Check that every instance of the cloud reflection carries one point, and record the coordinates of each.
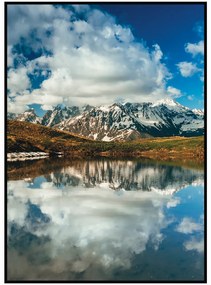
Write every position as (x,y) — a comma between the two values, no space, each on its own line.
(195,244)
(95,228)
(188,226)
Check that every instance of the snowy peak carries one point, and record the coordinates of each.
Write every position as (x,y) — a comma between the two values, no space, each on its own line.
(29,116)
(198,112)
(166,102)
(59,114)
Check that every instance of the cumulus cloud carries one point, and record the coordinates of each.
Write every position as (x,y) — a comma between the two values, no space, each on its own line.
(25,19)
(187,69)
(18,81)
(195,48)
(91,58)
(174,92)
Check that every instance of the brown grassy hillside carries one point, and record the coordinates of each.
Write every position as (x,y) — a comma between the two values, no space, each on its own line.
(23,136)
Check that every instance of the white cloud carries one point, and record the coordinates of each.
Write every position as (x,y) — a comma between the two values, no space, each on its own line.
(22,19)
(188,226)
(94,60)
(187,69)
(17,80)
(174,92)
(195,49)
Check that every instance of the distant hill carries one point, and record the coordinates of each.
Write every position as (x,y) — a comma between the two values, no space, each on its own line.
(25,136)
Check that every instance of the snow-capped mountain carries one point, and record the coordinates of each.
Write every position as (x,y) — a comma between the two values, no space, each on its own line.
(59,114)
(126,121)
(102,123)
(134,120)
(29,116)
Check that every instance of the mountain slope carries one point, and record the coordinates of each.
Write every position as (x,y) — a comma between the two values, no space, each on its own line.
(132,121)
(28,116)
(24,136)
(59,114)
(104,123)
(62,113)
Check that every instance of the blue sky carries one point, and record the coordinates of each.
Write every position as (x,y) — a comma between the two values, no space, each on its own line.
(100,54)
(172,27)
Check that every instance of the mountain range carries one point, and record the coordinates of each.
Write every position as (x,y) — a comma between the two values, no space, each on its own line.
(120,122)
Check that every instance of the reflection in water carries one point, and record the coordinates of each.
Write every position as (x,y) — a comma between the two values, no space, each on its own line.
(87,231)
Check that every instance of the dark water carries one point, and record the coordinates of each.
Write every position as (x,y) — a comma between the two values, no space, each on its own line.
(105,220)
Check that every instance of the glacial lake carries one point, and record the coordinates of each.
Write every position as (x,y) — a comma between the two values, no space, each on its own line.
(111,220)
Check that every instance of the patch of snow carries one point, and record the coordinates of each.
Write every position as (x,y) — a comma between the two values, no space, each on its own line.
(178,121)
(193,125)
(51,119)
(126,123)
(148,122)
(105,108)
(95,136)
(106,139)
(14,156)
(198,112)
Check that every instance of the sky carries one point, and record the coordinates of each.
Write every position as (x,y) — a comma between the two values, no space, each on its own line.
(105,53)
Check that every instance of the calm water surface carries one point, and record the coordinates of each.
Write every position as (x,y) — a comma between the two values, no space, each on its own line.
(105,220)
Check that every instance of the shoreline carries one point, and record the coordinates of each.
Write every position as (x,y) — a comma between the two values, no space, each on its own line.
(164,155)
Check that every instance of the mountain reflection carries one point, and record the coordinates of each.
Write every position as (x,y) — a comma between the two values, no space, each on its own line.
(88,232)
(127,175)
